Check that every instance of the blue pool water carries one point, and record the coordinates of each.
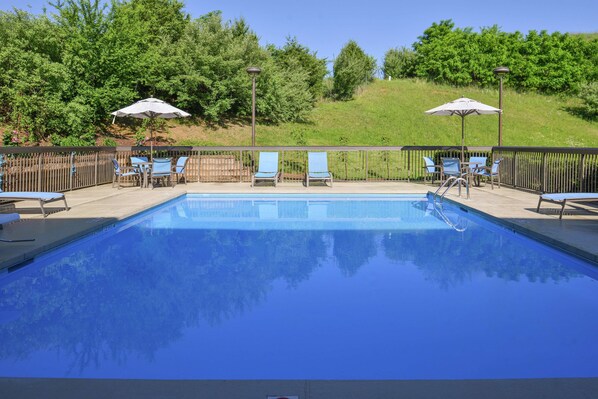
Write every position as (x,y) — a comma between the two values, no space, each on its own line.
(297,287)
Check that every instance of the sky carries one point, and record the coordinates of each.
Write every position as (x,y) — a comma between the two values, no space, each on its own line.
(325,26)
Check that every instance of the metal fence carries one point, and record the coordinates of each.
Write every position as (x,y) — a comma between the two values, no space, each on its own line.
(69,168)
(549,170)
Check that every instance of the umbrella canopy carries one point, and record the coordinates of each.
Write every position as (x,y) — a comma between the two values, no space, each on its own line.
(151,108)
(463,107)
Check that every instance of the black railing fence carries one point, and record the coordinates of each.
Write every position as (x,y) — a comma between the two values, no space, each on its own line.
(539,169)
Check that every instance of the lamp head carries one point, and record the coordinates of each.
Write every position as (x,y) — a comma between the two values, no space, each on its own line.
(501,70)
(253,71)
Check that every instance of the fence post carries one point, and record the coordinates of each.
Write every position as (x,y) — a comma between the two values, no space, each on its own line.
(241,169)
(282,169)
(198,166)
(367,153)
(39,171)
(408,166)
(581,173)
(95,172)
(543,172)
(515,169)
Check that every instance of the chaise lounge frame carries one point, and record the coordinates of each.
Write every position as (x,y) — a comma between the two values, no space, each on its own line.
(42,197)
(563,198)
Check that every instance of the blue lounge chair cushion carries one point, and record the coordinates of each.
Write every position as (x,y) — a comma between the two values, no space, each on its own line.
(317,167)
(267,168)
(265,175)
(320,175)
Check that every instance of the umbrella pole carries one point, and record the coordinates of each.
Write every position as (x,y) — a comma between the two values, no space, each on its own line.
(152,140)
(462,136)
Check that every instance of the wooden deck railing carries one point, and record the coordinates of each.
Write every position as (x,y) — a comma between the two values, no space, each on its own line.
(69,168)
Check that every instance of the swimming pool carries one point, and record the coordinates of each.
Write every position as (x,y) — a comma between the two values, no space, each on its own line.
(301,287)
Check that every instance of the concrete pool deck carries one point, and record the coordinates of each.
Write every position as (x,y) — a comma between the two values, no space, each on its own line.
(98,207)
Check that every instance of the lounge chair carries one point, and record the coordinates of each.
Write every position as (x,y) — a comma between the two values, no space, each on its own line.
(124,171)
(6,218)
(161,170)
(317,168)
(431,169)
(42,197)
(180,169)
(267,168)
(490,173)
(562,198)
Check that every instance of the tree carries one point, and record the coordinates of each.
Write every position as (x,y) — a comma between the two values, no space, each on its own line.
(352,68)
(33,80)
(293,55)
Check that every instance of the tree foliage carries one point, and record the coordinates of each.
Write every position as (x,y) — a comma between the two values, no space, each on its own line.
(352,68)
(539,61)
(62,74)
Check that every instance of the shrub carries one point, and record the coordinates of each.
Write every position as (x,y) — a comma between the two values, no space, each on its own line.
(589,95)
(399,63)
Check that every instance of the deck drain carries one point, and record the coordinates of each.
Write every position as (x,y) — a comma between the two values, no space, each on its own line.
(282,397)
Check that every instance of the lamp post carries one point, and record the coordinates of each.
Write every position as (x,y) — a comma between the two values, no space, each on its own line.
(500,72)
(253,72)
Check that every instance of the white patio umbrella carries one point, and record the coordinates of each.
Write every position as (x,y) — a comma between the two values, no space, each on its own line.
(151,108)
(463,107)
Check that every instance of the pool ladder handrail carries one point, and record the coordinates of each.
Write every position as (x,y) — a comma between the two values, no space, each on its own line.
(455,226)
(455,180)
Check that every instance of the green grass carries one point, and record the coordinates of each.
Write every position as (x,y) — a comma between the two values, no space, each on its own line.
(392,113)
(395,110)
(587,36)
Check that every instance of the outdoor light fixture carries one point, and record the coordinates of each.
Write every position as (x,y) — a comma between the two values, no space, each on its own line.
(253,72)
(500,72)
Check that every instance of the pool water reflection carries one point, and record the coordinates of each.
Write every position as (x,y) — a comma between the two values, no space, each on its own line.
(297,288)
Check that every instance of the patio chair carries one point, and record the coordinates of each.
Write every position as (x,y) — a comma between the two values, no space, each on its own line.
(490,172)
(161,170)
(267,168)
(451,167)
(475,164)
(139,163)
(431,169)
(123,171)
(317,168)
(180,169)
(40,196)
(562,198)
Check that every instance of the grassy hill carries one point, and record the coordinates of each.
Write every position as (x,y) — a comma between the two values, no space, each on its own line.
(392,113)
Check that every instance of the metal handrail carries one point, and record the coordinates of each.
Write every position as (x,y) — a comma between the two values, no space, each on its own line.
(455,180)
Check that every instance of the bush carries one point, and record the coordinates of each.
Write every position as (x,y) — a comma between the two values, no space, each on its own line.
(108,142)
(352,68)
(399,63)
(589,95)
